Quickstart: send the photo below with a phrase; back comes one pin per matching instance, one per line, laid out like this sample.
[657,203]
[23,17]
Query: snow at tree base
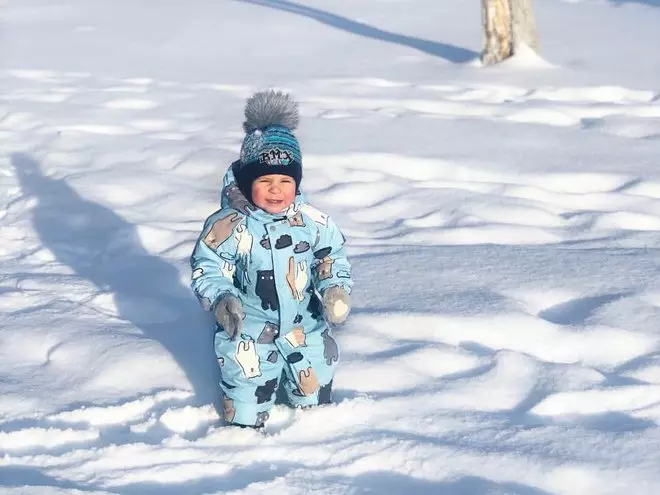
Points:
[503,224]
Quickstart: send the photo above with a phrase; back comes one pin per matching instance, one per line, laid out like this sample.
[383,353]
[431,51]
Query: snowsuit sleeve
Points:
[331,267]
[213,260]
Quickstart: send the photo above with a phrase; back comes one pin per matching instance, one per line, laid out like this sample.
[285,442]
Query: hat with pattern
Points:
[269,146]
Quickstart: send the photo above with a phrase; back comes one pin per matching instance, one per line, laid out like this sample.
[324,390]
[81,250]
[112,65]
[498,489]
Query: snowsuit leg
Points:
[251,374]
[250,377]
[322,354]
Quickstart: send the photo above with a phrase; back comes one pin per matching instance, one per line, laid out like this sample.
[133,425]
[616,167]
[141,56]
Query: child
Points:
[261,263]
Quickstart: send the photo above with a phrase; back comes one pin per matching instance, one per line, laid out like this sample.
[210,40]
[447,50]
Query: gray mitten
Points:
[229,314]
[336,305]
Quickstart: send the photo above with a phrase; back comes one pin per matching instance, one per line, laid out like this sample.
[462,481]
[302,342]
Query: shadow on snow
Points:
[651,3]
[103,248]
[446,51]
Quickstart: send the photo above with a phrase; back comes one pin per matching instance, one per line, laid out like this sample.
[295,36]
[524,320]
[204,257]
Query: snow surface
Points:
[503,223]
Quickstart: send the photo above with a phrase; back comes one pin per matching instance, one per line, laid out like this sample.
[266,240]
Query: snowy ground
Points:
[504,226]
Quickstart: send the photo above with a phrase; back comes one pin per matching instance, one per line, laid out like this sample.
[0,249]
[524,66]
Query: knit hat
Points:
[269,146]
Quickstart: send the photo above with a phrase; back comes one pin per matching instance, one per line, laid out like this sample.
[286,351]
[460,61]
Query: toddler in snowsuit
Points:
[274,271]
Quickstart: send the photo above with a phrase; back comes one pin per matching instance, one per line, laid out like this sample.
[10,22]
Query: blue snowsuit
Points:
[276,265]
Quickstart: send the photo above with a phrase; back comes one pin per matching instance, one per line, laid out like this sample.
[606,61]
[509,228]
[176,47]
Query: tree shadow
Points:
[650,3]
[446,51]
[105,249]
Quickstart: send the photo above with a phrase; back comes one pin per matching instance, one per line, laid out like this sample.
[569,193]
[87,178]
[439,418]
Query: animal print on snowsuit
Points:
[276,265]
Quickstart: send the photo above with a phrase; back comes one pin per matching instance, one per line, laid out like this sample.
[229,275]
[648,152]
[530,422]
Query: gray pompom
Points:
[270,108]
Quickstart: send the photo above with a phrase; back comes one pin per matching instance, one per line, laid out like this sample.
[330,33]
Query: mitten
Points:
[229,314]
[336,305]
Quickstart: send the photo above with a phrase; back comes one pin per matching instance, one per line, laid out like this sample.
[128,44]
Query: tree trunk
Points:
[524,28]
[507,24]
[496,18]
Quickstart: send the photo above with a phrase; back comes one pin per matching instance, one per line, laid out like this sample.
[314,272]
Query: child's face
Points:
[273,193]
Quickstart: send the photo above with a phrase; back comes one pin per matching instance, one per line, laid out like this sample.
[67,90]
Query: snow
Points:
[503,223]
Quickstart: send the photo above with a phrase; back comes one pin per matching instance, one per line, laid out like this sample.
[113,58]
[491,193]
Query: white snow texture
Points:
[503,224]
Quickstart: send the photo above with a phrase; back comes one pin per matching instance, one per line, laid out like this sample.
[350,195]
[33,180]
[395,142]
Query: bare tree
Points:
[507,24]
